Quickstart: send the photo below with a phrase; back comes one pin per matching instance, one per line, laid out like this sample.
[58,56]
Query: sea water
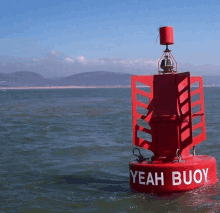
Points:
[68,150]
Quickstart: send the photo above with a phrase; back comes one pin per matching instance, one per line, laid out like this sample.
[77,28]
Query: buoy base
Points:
[168,177]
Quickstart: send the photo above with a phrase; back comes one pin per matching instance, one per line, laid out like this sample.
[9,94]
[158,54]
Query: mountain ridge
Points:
[94,78]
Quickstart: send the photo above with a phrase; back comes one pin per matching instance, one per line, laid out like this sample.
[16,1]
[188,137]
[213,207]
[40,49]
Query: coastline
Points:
[63,87]
[80,87]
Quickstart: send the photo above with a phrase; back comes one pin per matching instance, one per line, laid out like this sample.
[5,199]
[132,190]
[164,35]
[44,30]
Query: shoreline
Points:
[80,87]
[63,87]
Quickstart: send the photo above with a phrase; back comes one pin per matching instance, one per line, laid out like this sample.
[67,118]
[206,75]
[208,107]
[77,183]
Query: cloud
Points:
[81,58]
[68,59]
[56,64]
[54,52]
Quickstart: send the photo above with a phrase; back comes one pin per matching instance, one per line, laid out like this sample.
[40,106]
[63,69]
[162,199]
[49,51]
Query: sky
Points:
[58,38]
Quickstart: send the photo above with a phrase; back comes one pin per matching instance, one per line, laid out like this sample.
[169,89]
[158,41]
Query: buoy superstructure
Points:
[169,128]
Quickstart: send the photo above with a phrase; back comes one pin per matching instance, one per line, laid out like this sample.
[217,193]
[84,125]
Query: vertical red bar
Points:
[202,106]
[134,109]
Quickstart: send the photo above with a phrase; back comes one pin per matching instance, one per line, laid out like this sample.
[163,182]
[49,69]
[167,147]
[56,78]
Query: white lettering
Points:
[178,178]
[159,178]
[190,177]
[205,172]
[141,178]
[133,175]
[194,176]
[150,179]
[186,177]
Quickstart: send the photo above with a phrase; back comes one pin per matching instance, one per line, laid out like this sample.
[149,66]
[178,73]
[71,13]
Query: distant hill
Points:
[96,78]
[25,75]
[21,78]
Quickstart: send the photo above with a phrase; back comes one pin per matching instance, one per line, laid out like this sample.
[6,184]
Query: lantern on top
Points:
[167,63]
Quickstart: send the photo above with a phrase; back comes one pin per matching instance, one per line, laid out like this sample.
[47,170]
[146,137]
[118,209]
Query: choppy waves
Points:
[68,150]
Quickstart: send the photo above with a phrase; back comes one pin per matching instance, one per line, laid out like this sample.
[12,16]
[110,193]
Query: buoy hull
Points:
[169,177]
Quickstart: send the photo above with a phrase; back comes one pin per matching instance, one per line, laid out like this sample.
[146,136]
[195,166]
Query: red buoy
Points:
[166,35]
[170,119]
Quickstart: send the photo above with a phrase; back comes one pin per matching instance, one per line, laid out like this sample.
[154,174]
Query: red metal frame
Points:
[201,137]
[182,119]
[148,81]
